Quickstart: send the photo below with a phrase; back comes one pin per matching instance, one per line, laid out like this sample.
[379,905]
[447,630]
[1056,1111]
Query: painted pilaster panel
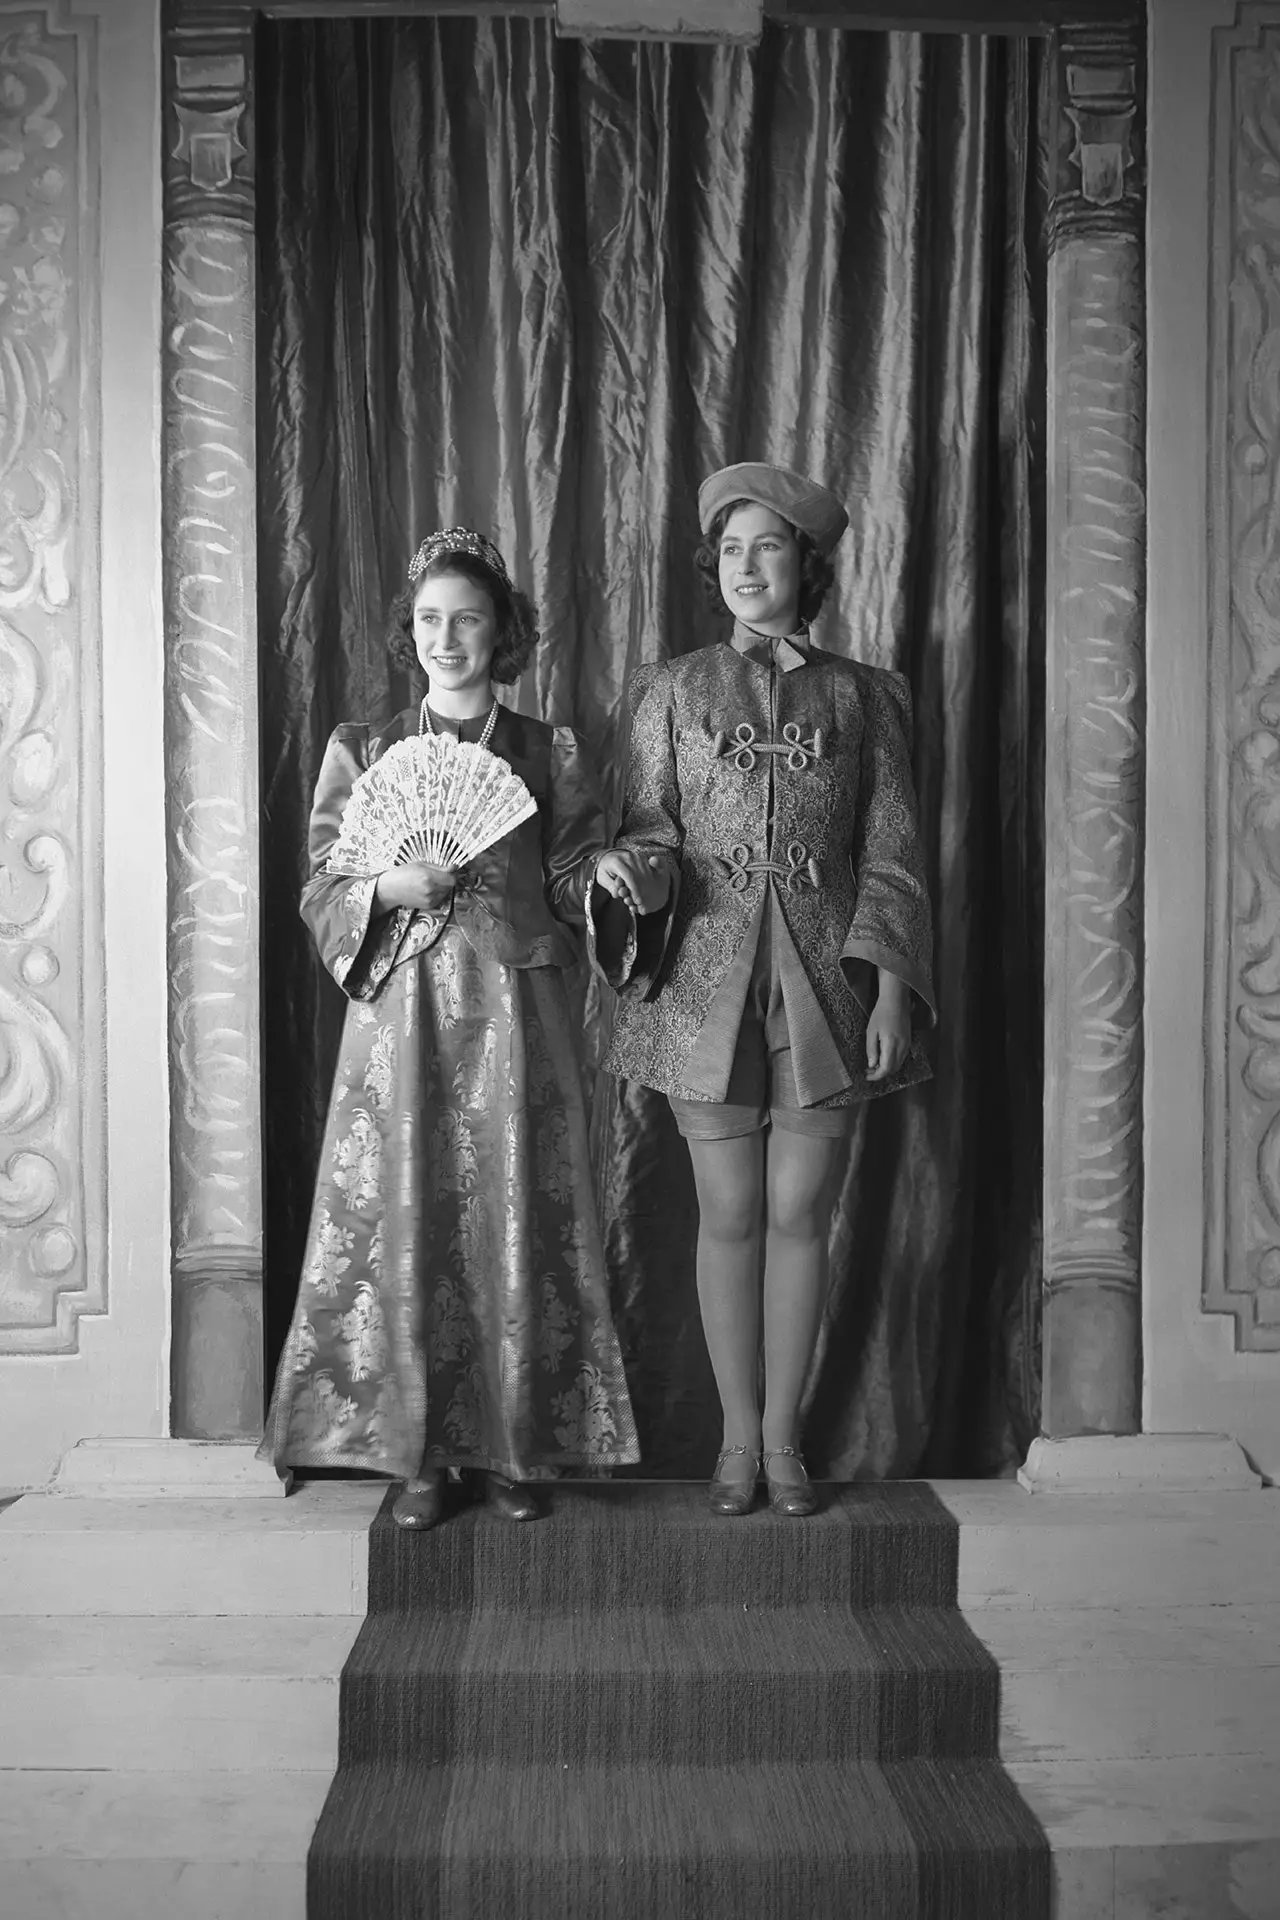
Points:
[1198,1375]
[1095,761]
[52,1113]
[1242,1265]
[211,723]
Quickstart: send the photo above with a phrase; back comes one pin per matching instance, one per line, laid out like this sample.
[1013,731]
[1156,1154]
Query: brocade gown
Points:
[453,1308]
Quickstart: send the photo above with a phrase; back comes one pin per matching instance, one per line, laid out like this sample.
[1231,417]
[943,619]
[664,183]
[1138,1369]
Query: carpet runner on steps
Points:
[634,1710]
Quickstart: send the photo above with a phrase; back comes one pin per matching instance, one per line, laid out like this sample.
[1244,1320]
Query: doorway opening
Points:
[541,287]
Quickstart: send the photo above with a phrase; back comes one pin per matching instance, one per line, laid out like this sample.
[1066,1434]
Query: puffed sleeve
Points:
[576,835]
[892,921]
[357,946]
[626,949]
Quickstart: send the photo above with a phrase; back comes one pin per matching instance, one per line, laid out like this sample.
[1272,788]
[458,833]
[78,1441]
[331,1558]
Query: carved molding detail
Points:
[732,22]
[1099,163]
[1242,1137]
[52,1118]
[211,720]
[1095,747]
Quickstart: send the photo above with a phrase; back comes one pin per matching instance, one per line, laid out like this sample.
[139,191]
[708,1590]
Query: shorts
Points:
[762,1088]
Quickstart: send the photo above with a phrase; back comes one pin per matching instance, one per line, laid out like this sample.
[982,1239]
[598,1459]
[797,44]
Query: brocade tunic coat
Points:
[759,765]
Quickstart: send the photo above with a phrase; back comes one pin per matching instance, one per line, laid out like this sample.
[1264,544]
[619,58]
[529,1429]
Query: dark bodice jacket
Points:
[755,765]
[515,902]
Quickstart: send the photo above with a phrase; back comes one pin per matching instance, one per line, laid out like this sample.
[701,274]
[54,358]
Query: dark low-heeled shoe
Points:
[732,1498]
[509,1500]
[421,1503]
[787,1497]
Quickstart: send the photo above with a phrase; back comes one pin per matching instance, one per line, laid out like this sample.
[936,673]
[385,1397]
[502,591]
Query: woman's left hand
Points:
[889,1028]
[639,879]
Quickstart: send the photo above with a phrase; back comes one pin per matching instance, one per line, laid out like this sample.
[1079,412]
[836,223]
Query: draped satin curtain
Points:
[542,287]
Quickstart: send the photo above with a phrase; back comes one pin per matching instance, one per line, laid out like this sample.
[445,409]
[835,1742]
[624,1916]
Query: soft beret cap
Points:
[813,509]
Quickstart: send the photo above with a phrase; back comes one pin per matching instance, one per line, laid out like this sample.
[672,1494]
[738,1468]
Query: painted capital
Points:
[208,131]
[1097,153]
[210,144]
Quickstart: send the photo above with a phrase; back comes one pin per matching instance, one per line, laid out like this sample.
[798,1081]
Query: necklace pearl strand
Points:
[427,725]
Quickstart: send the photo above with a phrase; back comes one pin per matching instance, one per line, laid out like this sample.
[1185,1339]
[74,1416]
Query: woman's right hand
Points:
[641,880]
[416,884]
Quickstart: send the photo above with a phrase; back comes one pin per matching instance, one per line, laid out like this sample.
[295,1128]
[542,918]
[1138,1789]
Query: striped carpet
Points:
[636,1710]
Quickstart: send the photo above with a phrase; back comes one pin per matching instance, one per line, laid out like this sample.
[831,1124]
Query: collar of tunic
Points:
[767,649]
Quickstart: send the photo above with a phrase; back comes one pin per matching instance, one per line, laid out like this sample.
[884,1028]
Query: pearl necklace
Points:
[427,725]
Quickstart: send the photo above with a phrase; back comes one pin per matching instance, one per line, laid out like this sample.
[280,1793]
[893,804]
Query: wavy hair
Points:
[513,612]
[816,571]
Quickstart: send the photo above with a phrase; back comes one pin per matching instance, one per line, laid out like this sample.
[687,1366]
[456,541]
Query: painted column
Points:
[1095,763]
[211,722]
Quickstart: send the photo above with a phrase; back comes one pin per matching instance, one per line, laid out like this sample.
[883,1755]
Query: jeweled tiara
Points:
[458,540]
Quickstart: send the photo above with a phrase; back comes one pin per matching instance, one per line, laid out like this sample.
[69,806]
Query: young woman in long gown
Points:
[452,1310]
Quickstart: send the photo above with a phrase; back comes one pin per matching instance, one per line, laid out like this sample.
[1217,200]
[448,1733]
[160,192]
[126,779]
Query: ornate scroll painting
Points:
[51,1253]
[1242,1138]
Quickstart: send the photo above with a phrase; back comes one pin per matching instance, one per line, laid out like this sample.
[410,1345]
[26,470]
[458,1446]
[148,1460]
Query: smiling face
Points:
[455,630]
[760,569]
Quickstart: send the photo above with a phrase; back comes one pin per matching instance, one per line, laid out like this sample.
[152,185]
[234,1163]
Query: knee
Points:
[797,1216]
[730,1221]
[729,1177]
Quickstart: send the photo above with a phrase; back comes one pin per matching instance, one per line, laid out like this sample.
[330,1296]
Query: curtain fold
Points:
[542,287]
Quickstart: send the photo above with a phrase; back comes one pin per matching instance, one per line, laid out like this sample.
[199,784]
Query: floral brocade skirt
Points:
[453,1309]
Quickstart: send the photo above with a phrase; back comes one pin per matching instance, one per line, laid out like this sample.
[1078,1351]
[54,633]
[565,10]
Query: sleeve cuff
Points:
[627,950]
[860,960]
[612,942]
[368,953]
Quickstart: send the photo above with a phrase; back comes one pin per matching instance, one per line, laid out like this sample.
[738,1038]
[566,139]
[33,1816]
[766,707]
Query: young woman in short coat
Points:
[780,970]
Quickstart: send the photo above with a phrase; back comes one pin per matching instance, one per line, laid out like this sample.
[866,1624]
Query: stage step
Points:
[168,1699]
[724,1684]
[308,1554]
[152,1693]
[775,1841]
[1188,1839]
[1132,1840]
[157,1846]
[1102,1683]
[168,1684]
[235,1691]
[1130,1550]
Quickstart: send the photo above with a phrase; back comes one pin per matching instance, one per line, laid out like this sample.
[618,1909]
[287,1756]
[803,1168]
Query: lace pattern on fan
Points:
[432,798]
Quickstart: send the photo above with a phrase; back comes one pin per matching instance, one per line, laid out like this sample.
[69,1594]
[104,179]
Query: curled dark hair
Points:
[513,614]
[816,571]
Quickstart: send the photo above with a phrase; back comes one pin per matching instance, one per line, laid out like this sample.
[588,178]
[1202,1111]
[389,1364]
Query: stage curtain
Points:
[542,287]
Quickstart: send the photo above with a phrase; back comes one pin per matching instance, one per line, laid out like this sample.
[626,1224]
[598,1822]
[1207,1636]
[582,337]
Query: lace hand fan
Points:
[432,798]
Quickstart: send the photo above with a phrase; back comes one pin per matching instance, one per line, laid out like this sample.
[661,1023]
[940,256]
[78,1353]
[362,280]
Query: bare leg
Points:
[799,1190]
[729,1176]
